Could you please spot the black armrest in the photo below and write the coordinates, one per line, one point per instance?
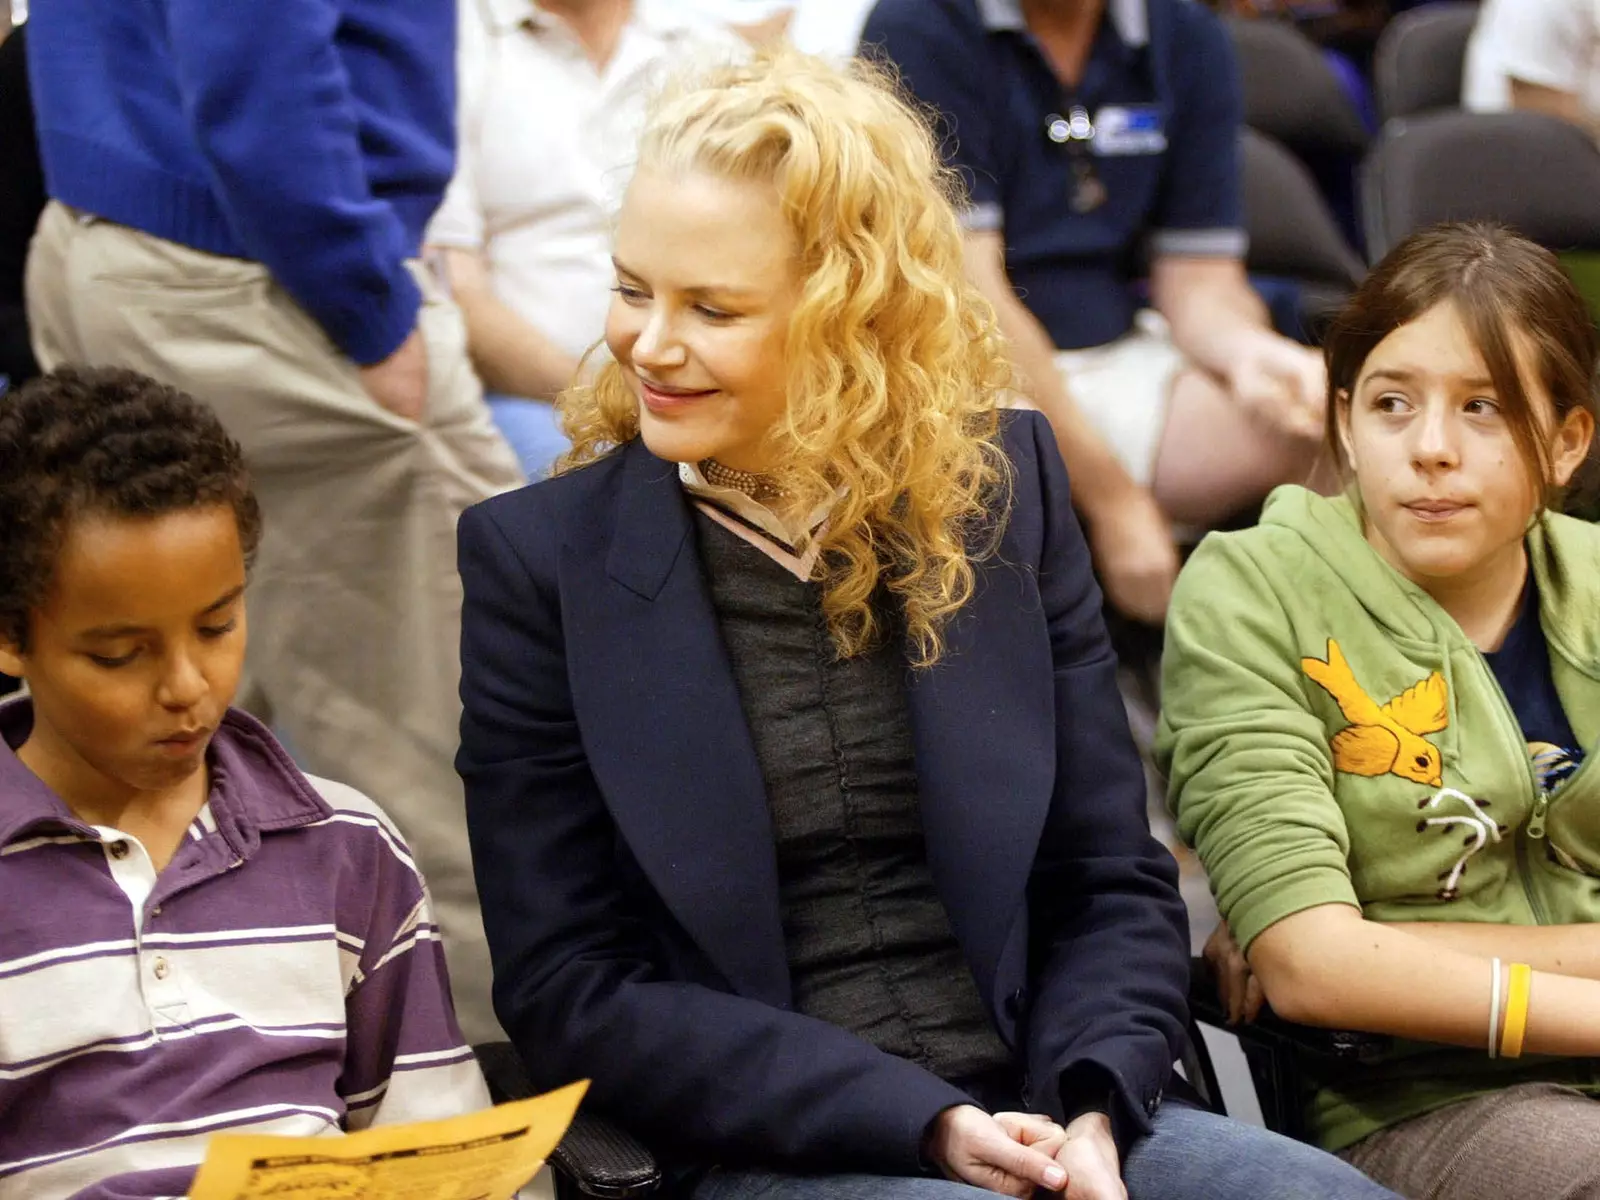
(597, 1157)
(604, 1160)
(1273, 1032)
(503, 1071)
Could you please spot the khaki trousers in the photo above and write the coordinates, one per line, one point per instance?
(1533, 1141)
(355, 604)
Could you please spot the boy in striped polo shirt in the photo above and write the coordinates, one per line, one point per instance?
(196, 937)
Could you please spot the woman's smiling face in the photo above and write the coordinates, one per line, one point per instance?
(707, 280)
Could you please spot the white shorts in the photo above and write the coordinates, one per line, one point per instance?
(1123, 389)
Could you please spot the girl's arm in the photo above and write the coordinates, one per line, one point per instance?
(1329, 966)
(1252, 785)
(1560, 949)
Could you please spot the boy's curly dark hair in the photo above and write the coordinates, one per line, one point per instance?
(104, 441)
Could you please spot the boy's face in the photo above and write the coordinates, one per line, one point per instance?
(135, 653)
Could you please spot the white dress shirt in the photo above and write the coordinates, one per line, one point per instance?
(830, 28)
(1548, 43)
(546, 146)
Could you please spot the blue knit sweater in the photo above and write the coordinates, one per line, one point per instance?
(313, 136)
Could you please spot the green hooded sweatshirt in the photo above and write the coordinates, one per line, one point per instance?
(1331, 736)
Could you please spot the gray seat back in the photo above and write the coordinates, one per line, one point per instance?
(1290, 91)
(1421, 57)
(1292, 232)
(1538, 174)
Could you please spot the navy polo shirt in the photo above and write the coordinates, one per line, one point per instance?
(1162, 89)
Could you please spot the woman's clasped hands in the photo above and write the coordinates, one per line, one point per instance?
(1013, 1154)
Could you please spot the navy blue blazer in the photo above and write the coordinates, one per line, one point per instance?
(625, 857)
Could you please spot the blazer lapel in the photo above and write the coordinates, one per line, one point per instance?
(647, 655)
(986, 747)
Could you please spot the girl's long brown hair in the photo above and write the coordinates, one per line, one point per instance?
(1504, 287)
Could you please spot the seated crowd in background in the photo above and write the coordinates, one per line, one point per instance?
(1375, 716)
(1098, 147)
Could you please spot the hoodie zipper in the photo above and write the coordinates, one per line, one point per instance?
(1542, 808)
(1533, 830)
(1535, 826)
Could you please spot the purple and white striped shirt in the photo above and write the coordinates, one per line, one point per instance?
(282, 974)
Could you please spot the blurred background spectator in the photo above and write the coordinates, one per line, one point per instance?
(525, 228)
(1536, 56)
(238, 200)
(1100, 144)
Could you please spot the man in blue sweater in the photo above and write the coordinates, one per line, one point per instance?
(238, 194)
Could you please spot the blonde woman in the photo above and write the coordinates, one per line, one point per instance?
(806, 819)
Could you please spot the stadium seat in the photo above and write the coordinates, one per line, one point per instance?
(1281, 1055)
(1291, 93)
(1420, 58)
(595, 1158)
(1293, 234)
(1538, 174)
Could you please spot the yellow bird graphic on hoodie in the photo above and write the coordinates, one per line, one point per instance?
(1387, 739)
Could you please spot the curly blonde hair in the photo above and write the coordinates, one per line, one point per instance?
(895, 366)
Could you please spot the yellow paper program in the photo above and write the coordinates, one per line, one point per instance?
(485, 1155)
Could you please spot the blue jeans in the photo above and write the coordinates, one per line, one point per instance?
(1192, 1155)
(532, 429)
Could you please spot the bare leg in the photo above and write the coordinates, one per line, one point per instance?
(1213, 460)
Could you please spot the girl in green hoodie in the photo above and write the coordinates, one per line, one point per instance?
(1376, 711)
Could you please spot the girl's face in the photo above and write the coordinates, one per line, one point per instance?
(1448, 495)
(135, 653)
(706, 283)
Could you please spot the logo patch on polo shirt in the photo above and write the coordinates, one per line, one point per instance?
(1124, 129)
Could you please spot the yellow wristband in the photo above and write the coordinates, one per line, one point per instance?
(1516, 1010)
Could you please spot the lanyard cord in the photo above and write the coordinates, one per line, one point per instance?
(1075, 132)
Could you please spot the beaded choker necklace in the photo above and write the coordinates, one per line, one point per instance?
(757, 487)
